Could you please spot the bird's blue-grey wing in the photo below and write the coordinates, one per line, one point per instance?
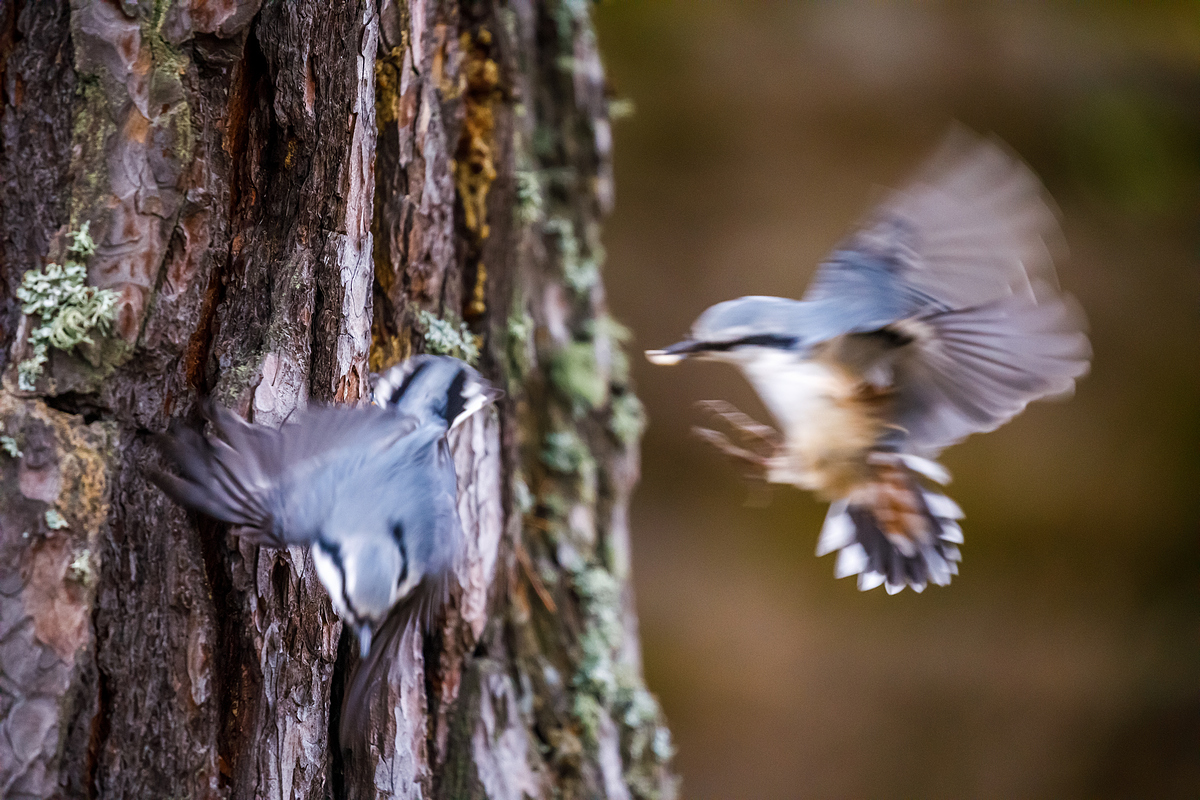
(277, 485)
(973, 225)
(960, 262)
(978, 367)
(415, 485)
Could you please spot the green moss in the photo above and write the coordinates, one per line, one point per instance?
(627, 419)
(520, 343)
(577, 375)
(530, 205)
(448, 337)
(68, 310)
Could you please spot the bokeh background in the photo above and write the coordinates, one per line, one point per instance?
(1065, 660)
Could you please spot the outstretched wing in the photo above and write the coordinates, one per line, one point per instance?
(974, 369)
(251, 475)
(973, 226)
(954, 278)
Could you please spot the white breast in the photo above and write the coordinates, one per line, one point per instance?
(828, 429)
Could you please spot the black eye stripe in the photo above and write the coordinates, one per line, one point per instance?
(335, 554)
(408, 379)
(761, 340)
(455, 402)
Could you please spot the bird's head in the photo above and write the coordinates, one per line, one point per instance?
(734, 330)
(429, 386)
(366, 575)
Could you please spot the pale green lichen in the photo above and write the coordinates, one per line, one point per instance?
(614, 335)
(627, 419)
(447, 337)
(68, 309)
(576, 373)
(555, 504)
(601, 594)
(565, 453)
(580, 270)
(9, 445)
(522, 497)
(587, 710)
(520, 343)
(596, 674)
(606, 685)
(530, 205)
(80, 569)
(55, 521)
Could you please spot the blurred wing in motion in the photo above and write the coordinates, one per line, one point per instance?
(974, 225)
(955, 276)
(262, 479)
(972, 370)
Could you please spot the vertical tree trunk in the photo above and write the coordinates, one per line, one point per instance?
(282, 193)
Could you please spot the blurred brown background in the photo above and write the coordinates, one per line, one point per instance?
(1065, 660)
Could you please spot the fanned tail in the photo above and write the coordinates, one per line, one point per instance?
(893, 531)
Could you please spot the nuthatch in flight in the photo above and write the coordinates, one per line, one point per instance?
(941, 317)
(372, 491)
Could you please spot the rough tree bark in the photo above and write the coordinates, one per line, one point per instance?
(282, 192)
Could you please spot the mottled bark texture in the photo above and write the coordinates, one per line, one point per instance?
(282, 193)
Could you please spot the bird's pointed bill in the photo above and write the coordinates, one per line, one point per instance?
(673, 354)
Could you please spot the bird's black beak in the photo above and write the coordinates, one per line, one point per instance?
(675, 353)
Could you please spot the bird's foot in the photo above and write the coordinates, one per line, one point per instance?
(756, 445)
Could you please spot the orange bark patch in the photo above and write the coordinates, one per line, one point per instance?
(474, 159)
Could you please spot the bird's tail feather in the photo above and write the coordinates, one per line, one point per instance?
(893, 531)
(415, 611)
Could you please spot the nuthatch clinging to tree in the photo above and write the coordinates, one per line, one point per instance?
(941, 317)
(372, 491)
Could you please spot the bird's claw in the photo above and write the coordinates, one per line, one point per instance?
(756, 445)
(749, 430)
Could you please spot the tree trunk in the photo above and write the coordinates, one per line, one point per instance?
(283, 193)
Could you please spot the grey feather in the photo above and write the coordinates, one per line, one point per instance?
(981, 366)
(280, 485)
